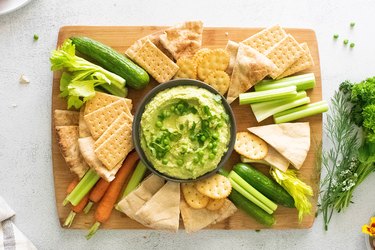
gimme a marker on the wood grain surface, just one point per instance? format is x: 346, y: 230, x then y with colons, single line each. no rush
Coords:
x: 120, y: 38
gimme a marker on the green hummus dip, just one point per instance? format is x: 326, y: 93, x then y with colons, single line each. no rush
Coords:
x: 185, y: 131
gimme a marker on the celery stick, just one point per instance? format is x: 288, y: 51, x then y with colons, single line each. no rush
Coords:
x: 268, y: 95
x: 258, y: 195
x: 290, y: 111
x: 248, y: 160
x: 136, y: 178
x: 115, y: 90
x: 301, y: 113
x: 248, y: 196
x: 264, y: 110
x: 302, y: 82
x: 84, y: 186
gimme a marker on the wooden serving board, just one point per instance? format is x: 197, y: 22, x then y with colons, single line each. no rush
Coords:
x: 120, y: 38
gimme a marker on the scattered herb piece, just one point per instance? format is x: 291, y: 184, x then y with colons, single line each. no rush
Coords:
x: 335, y: 36
x: 352, y: 24
x: 352, y: 45
x: 346, y: 41
x: 36, y: 37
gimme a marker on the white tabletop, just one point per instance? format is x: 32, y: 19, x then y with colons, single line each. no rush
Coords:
x: 25, y: 135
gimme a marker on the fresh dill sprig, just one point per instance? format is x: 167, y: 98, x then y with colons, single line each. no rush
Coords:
x: 340, y: 160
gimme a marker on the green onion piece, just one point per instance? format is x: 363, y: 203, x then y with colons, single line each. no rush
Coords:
x: 302, y: 82
x: 93, y: 230
x: 251, y: 193
x: 352, y: 24
x: 36, y: 37
x: 346, y: 41
x: 84, y: 186
x: 264, y: 110
x: 352, y: 45
x: 268, y: 95
x: 335, y: 36
x: 301, y: 112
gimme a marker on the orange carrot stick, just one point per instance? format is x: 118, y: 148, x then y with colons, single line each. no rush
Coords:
x: 105, y: 207
x: 96, y: 194
x: 72, y: 185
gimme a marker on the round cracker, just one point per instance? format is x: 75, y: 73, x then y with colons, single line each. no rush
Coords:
x: 217, y: 59
x: 215, y: 187
x: 250, y: 146
x: 188, y: 68
x: 198, y: 56
x: 215, y: 204
x: 219, y: 80
x: 192, y: 197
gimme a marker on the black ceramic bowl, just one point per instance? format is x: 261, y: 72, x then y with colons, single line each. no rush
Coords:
x: 147, y: 99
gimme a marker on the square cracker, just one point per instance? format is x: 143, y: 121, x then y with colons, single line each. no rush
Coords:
x: 154, y: 38
x: 284, y: 54
x: 67, y: 138
x: 86, y: 146
x: 116, y: 147
x: 102, y: 99
x: 265, y: 39
x: 183, y: 40
x: 250, y: 68
x: 155, y: 62
x: 99, y: 120
x: 304, y: 62
x: 123, y: 118
x: 65, y: 117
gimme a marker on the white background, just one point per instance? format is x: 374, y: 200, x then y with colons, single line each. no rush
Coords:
x: 25, y: 135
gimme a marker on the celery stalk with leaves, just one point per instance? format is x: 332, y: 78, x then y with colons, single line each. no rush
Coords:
x: 81, y: 78
x: 300, y: 191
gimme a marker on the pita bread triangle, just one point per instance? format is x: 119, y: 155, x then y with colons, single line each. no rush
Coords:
x: 275, y: 159
x: 249, y: 68
x: 162, y: 211
x: 291, y: 140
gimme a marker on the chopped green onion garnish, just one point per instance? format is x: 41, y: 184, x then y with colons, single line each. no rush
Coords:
x: 352, y: 45
x: 346, y: 41
x: 36, y: 37
x: 335, y: 36
x: 352, y: 24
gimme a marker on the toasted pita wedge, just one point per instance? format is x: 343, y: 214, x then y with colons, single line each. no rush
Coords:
x: 250, y: 68
x: 67, y: 137
x: 83, y: 129
x: 154, y: 38
x: 232, y: 48
x: 137, y: 198
x: 291, y: 140
x: 275, y: 159
x: 162, y: 211
x: 102, y: 99
x: 65, y: 117
x: 184, y: 39
x: 86, y: 145
x: 197, y: 219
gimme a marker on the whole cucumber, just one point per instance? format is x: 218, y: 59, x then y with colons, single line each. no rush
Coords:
x: 251, y: 209
x: 111, y: 60
x: 265, y: 185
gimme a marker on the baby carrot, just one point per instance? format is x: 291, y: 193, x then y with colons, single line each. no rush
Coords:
x: 105, y: 207
x: 96, y: 194
x: 75, y: 209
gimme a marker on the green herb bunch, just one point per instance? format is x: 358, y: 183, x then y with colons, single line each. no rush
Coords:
x: 352, y: 154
